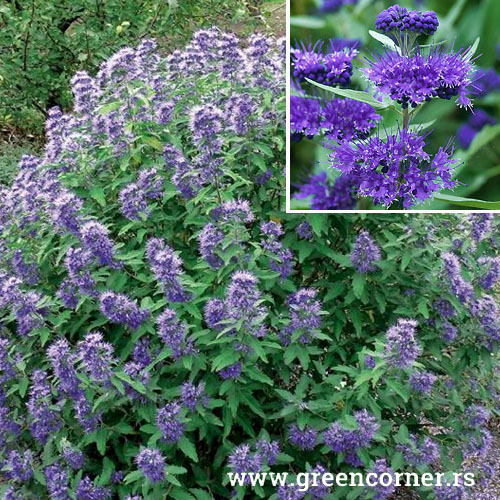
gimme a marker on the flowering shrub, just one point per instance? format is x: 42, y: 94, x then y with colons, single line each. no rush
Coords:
x: 164, y: 321
x: 381, y: 155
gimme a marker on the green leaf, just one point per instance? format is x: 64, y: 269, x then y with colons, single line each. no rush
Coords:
x: 188, y: 448
x: 307, y: 22
x: 357, y: 95
x: 318, y: 223
x: 179, y: 494
x: 225, y: 358
x: 153, y: 142
x: 100, y: 440
x: 175, y: 469
x: 132, y: 477
x: 107, y: 108
x: 485, y: 136
x: 385, y: 40
x: 98, y: 194
x: 472, y: 50
x: 22, y: 386
x: 201, y: 494
x: 358, y: 285
x: 468, y: 202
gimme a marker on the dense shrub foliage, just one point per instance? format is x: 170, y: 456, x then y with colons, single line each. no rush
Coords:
x: 165, y: 322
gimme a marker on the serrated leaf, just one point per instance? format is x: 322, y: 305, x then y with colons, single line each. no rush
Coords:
x: 358, y: 285
x: 188, y: 448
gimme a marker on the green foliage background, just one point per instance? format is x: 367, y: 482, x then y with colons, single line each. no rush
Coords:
x: 460, y: 21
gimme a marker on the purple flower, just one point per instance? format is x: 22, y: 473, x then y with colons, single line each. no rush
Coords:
x: 185, y: 177
x: 422, y: 382
x: 68, y: 293
x: 397, y: 18
x: 486, y: 81
x: 232, y: 371
x: 305, y: 317
x: 325, y: 196
x: 341, y: 440
x: 401, y: 346
x: 234, y: 211
x: 87, y: 491
x: 304, y: 230
x: 96, y: 357
x: 290, y: 492
x: 73, y: 457
x: 370, y: 362
x: 210, y: 240
x: 332, y: 66
x: 449, y: 332
x: 461, y: 288
x: 238, y: 110
x: 281, y: 259
x: 444, y: 308
x: 382, y: 489
x: 133, y: 202
x: 137, y: 373
x: 118, y: 308
x: 65, y: 213
x: 334, y: 5
x: 450, y: 492
x: 242, y: 304
x: 205, y: 123
x: 214, y: 313
x: 467, y: 132
x: 7, y: 371
x: 167, y: 267
x: 44, y: 420
x: 305, y: 113
x: 347, y: 119
x: 173, y: 333
x: 243, y: 460
x: 365, y: 253
x: 268, y: 450
x: 86, y: 92
x: 169, y: 424
x: 152, y: 464
x: 426, y: 452
x: 63, y: 360
x: 27, y: 272
x: 304, y: 439
x: 413, y: 80
x: 465, y: 135
x: 491, y: 272
x: 480, y: 226
x: 192, y: 395
x: 56, y: 478
x: 141, y: 353
x: 477, y: 415
x: 95, y: 238
x: 395, y: 168
x: 20, y: 465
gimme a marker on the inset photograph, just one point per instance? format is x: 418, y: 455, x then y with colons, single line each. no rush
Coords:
x: 394, y: 107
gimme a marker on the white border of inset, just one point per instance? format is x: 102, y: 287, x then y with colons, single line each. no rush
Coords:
x: 287, y: 207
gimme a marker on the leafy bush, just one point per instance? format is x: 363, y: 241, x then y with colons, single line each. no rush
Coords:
x: 44, y: 43
x: 164, y: 321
